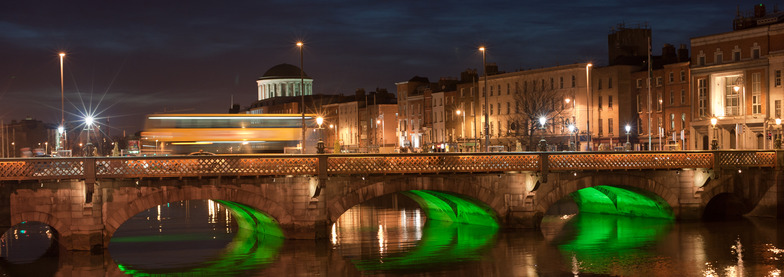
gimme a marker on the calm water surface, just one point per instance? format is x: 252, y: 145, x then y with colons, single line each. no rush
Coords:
x: 392, y: 237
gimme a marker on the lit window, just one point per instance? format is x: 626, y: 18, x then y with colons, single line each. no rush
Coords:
x: 777, y: 78
x: 702, y: 96
x: 756, y: 93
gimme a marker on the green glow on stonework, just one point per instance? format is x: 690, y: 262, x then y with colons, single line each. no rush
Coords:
x: 452, y: 208
x: 442, y: 242
x: 601, y: 242
x: 257, y: 243
x: 621, y: 201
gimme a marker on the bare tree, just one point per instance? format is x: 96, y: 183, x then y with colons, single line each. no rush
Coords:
x: 529, y: 107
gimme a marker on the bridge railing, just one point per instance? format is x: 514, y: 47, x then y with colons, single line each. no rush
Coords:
x: 432, y: 163
x: 346, y: 164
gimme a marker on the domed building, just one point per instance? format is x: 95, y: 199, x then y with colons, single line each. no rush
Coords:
x: 283, y: 80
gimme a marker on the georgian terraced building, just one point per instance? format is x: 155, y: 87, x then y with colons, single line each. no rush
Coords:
x: 736, y: 78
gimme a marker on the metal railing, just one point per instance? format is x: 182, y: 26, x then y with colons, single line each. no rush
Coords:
x: 347, y: 164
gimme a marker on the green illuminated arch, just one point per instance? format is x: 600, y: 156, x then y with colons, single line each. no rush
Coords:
x: 442, y: 242
x: 600, y: 242
x: 452, y: 208
x: 256, y: 243
x: 621, y: 201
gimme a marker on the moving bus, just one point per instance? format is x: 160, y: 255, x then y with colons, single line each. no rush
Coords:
x: 225, y: 133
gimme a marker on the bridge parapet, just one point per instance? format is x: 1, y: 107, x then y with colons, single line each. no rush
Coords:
x: 352, y: 164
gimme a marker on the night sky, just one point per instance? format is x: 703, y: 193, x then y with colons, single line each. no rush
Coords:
x: 126, y: 59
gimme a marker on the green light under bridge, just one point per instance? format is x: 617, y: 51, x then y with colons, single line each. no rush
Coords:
x: 452, y: 208
x: 256, y: 244
x: 624, y: 201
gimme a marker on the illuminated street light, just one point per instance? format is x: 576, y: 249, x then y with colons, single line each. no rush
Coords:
x: 487, y: 118
x: 778, y: 138
x: 88, y: 126
x: 588, y: 100
x: 628, y: 145
x: 62, y: 141
x: 302, y: 90
x: 542, y: 142
x: 320, y: 144
x: 714, y: 142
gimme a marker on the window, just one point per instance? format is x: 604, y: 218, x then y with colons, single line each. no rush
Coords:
x: 491, y: 109
x: 560, y: 81
x: 525, y: 86
x: 683, y: 96
x: 639, y: 126
x: 672, y: 121
x: 777, y: 107
x: 499, y: 90
x: 639, y: 83
x: 508, y: 107
x: 672, y: 97
x: 736, y: 56
x: 755, y: 53
x: 683, y: 76
x: 484, y: 92
x: 672, y: 77
x: 610, y: 125
x: 777, y: 78
x: 756, y: 93
x: 600, y: 84
x: 701, y: 60
x: 659, y: 101
x: 552, y: 83
x: 491, y: 90
x: 659, y: 81
x: 517, y: 107
x: 508, y: 90
x: 542, y: 84
x: 462, y: 92
x: 639, y: 104
x: 702, y: 99
x: 600, y: 127
x: 609, y: 83
x: 600, y: 102
x: 719, y: 58
x: 609, y: 101
x: 574, y: 81
x: 731, y: 97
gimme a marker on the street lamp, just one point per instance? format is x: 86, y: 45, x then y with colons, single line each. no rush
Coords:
x: 628, y: 131
x: 542, y: 142
x: 302, y: 91
x: 572, y: 139
x: 588, y: 105
x: 714, y: 142
x: 62, y: 141
x: 462, y: 130
x: 320, y: 145
x: 88, y: 126
x: 778, y: 137
x: 487, y: 118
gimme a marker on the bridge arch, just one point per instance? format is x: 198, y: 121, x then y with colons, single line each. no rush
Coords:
x: 379, y: 186
x: 570, y: 184
x: 150, y: 200
x: 748, y: 186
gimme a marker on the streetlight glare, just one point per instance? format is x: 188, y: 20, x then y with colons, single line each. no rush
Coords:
x: 542, y: 120
x: 778, y: 121
x: 482, y: 48
x: 589, y: 65
x: 571, y: 128
x: 62, y: 54
x: 714, y: 121
x: 319, y: 121
x: 458, y: 112
x: 60, y: 129
x: 567, y: 100
x: 299, y: 43
x: 88, y: 120
x: 628, y: 128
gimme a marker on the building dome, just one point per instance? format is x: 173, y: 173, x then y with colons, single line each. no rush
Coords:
x: 283, y: 71
x: 283, y: 80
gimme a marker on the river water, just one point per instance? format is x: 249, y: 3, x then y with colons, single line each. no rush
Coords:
x: 391, y: 236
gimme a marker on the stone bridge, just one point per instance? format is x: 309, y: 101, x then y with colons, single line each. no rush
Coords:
x: 87, y: 199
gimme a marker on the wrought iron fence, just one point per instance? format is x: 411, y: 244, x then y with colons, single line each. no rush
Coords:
x: 630, y: 160
x: 431, y: 163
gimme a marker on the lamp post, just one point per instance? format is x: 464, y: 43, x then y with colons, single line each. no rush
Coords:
x: 778, y: 137
x: 487, y: 118
x: 628, y: 145
x: 462, y: 130
x: 88, y: 126
x: 588, y: 101
x: 61, y: 129
x: 714, y: 142
x: 739, y: 84
x: 542, y: 142
x: 302, y: 90
x: 320, y: 144
x: 572, y: 139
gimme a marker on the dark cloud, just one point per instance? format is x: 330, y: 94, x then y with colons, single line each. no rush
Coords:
x: 140, y: 57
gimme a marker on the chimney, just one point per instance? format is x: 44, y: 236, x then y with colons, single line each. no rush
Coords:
x: 759, y: 10
x: 683, y: 53
x: 668, y: 54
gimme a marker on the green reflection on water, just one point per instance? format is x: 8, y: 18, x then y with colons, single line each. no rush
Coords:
x: 447, y: 207
x: 256, y: 243
x: 442, y: 243
x: 601, y: 242
x: 621, y: 201
x: 457, y: 230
